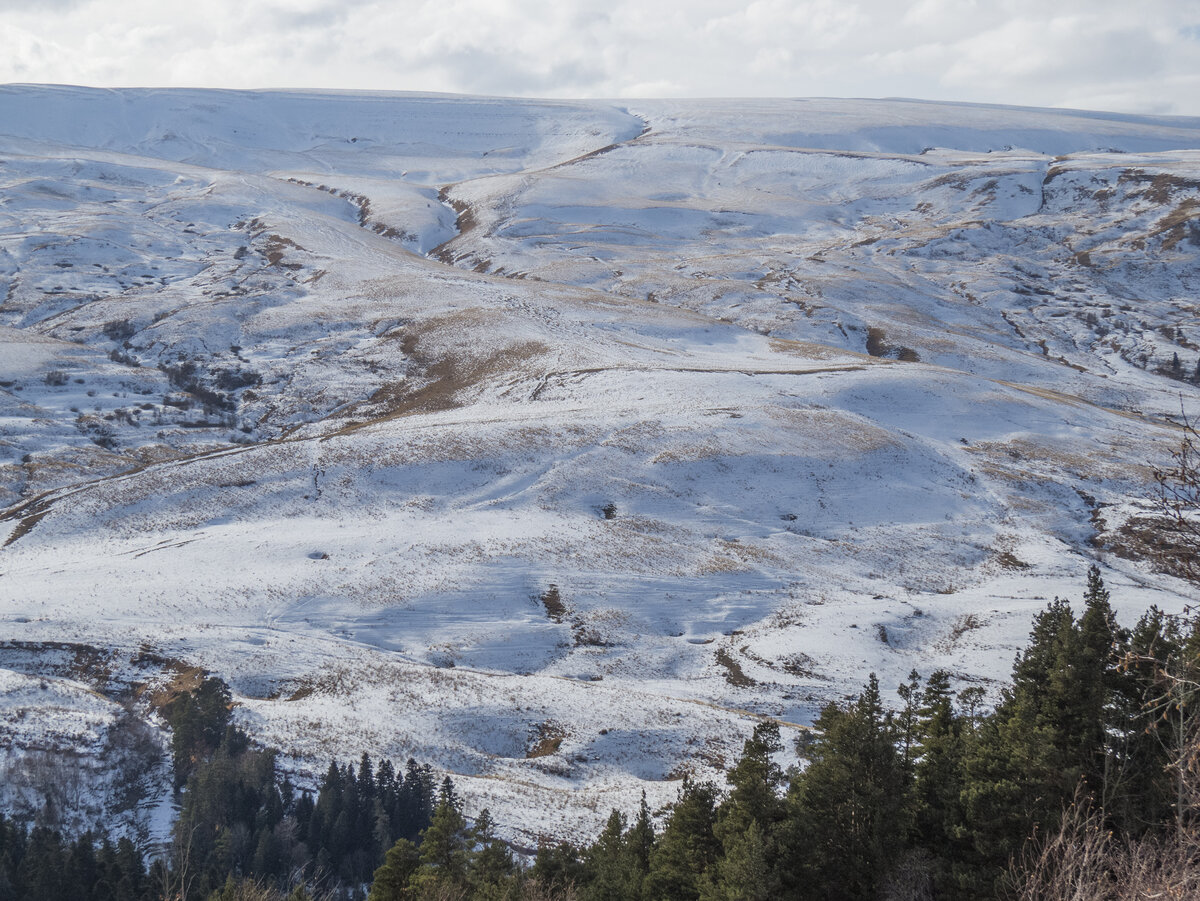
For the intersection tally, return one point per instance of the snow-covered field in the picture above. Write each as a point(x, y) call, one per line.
point(555, 443)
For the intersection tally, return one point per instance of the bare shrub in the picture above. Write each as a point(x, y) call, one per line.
point(119, 329)
point(1085, 861)
point(1178, 503)
point(552, 600)
point(530, 889)
point(910, 880)
point(52, 788)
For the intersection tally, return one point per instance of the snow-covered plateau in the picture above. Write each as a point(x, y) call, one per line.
point(556, 443)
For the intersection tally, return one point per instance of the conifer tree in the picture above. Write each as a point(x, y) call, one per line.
point(908, 723)
point(747, 820)
point(607, 863)
point(641, 840)
point(491, 863)
point(850, 810)
point(444, 848)
point(557, 869)
point(937, 809)
point(744, 871)
point(756, 781)
point(687, 846)
point(391, 880)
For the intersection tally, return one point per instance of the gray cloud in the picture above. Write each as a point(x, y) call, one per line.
point(42, 7)
point(1073, 52)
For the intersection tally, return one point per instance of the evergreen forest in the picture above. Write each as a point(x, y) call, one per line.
point(1085, 775)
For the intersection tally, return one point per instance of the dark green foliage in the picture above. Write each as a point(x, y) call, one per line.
point(851, 808)
point(559, 867)
point(40, 865)
point(445, 845)
point(239, 819)
point(1048, 735)
point(243, 832)
point(617, 864)
point(688, 845)
point(747, 823)
point(939, 818)
point(391, 880)
point(491, 865)
point(198, 721)
point(452, 860)
point(936, 800)
point(608, 863)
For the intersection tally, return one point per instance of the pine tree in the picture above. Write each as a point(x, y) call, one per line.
point(1138, 792)
point(641, 840)
point(391, 880)
point(938, 779)
point(850, 813)
point(687, 846)
point(607, 863)
point(366, 778)
point(747, 819)
point(1049, 734)
point(908, 723)
point(744, 872)
point(444, 845)
point(557, 869)
point(491, 865)
point(756, 781)
point(1101, 646)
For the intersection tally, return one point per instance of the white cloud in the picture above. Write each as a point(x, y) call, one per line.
point(1143, 57)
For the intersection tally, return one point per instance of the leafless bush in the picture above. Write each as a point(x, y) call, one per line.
point(910, 880)
point(134, 753)
point(552, 600)
point(530, 889)
point(119, 329)
point(1086, 861)
point(46, 787)
point(1178, 503)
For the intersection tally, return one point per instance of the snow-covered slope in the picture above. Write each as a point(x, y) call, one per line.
point(554, 442)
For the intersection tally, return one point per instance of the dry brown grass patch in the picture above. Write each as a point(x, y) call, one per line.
point(734, 674)
point(548, 738)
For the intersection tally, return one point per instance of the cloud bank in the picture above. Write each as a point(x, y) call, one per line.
point(1096, 54)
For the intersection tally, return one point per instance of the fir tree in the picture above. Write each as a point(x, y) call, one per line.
point(744, 871)
point(747, 819)
point(491, 864)
point(391, 880)
point(850, 809)
point(607, 863)
point(687, 846)
point(444, 848)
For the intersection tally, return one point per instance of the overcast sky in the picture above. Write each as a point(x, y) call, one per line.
point(1093, 54)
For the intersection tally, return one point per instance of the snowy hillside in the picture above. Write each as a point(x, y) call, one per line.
point(553, 443)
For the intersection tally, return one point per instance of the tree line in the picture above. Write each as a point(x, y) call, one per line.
point(934, 799)
point(242, 827)
point(1093, 739)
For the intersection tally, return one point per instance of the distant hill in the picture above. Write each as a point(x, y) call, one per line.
point(555, 443)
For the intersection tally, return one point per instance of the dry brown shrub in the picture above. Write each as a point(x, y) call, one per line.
point(1178, 504)
point(1084, 860)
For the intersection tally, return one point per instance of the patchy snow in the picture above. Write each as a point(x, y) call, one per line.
point(324, 393)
